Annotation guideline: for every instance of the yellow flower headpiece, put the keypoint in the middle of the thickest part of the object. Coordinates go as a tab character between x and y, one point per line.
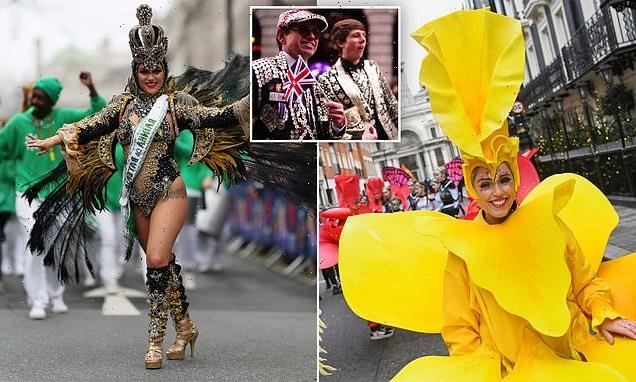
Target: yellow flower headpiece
473	72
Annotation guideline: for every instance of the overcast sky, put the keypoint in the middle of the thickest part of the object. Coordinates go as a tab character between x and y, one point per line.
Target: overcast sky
85	24
415	13
62	24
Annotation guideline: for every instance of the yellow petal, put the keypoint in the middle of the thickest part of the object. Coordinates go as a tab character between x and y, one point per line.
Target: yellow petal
587	214
390	274
537	362
619	356
473	73
480	366
619	274
520	261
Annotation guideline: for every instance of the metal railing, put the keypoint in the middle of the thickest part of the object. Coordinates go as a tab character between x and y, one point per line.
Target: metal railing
551	79
607	32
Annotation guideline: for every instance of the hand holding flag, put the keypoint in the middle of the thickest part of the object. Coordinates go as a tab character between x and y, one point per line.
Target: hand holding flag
299	78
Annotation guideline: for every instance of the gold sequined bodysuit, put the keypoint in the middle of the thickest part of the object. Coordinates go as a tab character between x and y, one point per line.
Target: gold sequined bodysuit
118	121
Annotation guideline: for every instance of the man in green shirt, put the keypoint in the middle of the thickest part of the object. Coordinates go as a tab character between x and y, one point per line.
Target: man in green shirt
7	203
41	120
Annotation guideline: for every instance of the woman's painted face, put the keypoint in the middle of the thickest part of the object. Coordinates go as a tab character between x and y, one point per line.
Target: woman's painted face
495	193
150	81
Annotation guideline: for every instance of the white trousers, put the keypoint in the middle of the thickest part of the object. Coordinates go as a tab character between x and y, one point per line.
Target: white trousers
40	282
13	247
187	246
108	254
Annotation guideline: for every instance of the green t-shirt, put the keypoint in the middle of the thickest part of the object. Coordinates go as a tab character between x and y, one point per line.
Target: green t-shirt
192	175
113	188
28	166
7	186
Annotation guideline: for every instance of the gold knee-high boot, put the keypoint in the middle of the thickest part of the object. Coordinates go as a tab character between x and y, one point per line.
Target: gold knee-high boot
158	312
187	331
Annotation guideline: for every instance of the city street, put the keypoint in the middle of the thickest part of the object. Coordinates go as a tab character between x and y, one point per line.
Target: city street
255	325
357	358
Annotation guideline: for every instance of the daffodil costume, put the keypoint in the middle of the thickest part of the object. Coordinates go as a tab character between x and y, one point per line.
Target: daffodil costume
516	301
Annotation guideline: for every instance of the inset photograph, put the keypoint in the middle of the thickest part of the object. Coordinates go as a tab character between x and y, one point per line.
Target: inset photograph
146	232
328	74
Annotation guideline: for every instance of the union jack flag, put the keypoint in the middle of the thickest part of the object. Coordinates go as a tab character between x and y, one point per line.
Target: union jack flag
299	78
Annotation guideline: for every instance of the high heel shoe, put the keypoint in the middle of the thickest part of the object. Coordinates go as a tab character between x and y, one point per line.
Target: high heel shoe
158	313
187	332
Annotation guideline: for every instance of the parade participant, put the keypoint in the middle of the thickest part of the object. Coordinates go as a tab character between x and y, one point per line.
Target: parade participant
374	189
359	84
7	204
411	185
517	293
419	200
447	196
15	237
41	120
307	116
211	225
145	120
331	223
108	221
188	244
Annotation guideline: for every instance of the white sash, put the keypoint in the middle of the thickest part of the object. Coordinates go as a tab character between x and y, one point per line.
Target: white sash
352	90
142	138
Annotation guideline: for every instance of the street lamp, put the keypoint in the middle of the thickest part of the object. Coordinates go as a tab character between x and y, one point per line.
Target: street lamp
607	73
584	89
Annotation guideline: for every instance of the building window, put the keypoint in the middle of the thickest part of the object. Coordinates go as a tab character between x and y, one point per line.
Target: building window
324	158
330	196
509	8
433	131
409	138
548	50
439	157
532	61
560	28
334	161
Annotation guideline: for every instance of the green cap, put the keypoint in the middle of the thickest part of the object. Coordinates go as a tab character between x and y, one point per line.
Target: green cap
51	86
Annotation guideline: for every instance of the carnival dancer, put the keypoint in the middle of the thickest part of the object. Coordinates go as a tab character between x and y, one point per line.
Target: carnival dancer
519	293
40	121
145	120
360	85
280	114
